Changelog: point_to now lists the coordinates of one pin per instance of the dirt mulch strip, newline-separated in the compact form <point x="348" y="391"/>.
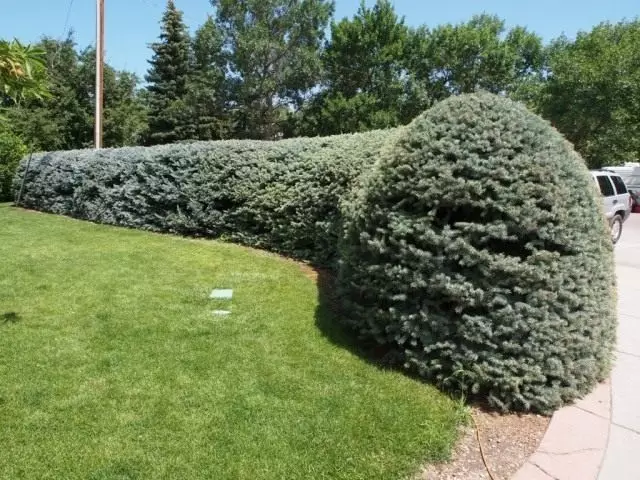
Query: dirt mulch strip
<point x="507" y="441"/>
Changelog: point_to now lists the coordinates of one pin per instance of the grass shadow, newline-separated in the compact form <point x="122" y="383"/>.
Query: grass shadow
<point x="329" y="320"/>
<point x="10" y="317"/>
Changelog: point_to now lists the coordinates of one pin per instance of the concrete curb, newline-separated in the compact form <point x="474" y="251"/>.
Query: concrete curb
<point x="574" y="445"/>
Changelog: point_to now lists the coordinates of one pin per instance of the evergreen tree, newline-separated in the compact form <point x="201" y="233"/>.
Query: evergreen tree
<point x="207" y="85"/>
<point x="125" y="115"/>
<point x="168" y="81"/>
<point x="475" y="251"/>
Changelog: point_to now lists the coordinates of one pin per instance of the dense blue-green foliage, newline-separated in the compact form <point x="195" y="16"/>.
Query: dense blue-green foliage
<point x="283" y="196"/>
<point x="477" y="248"/>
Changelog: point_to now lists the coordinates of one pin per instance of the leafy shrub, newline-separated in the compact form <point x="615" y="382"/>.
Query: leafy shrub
<point x="477" y="248"/>
<point x="278" y="195"/>
<point x="11" y="151"/>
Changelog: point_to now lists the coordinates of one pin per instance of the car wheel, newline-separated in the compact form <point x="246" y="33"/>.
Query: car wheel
<point x="616" y="228"/>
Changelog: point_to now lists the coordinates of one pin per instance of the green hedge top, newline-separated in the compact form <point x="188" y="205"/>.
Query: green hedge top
<point x="477" y="247"/>
<point x="283" y="196"/>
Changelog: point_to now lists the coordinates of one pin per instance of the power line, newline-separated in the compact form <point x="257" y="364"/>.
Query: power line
<point x="152" y="3"/>
<point x="66" y="20"/>
<point x="63" y="38"/>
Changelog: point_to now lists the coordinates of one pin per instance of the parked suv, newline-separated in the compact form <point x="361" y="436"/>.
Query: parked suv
<point x="616" y="200"/>
<point x="630" y="173"/>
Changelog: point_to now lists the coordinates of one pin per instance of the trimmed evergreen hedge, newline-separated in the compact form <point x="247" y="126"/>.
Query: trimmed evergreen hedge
<point x="477" y="248"/>
<point x="473" y="243"/>
<point x="283" y="196"/>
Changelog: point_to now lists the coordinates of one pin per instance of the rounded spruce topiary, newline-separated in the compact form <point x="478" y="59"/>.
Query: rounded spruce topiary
<point x="476" y="247"/>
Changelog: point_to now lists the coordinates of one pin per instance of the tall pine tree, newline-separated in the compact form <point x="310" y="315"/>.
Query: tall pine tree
<point x="168" y="80"/>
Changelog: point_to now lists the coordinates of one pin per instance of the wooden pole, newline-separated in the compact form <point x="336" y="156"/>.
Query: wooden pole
<point x="99" y="72"/>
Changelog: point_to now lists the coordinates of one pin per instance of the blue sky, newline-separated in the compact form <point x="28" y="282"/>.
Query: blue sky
<point x="132" y="24"/>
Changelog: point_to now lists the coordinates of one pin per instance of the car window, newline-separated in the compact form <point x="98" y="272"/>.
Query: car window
<point x="619" y="184"/>
<point x="632" y="180"/>
<point x="605" y="186"/>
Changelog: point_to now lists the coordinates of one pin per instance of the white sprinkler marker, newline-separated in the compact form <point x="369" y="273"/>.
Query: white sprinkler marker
<point x="222" y="293"/>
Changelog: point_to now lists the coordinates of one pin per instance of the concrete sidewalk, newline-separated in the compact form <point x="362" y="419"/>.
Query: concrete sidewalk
<point x="598" y="438"/>
<point x="622" y="457"/>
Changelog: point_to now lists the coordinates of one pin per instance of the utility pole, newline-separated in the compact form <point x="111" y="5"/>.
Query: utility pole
<point x="97" y="137"/>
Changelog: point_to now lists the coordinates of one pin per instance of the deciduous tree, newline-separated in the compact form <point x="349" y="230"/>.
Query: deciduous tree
<point x="64" y="119"/>
<point x="591" y="92"/>
<point x="22" y="72"/>
<point x="478" y="55"/>
<point x="366" y="83"/>
<point x="272" y="49"/>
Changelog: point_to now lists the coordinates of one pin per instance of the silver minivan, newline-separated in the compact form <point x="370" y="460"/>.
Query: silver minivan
<point x="616" y="200"/>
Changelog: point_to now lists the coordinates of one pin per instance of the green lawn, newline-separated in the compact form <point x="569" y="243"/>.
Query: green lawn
<point x="112" y="366"/>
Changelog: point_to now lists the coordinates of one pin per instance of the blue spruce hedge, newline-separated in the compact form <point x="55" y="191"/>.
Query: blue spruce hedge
<point x="470" y="243"/>
<point x="476" y="247"/>
<point x="283" y="196"/>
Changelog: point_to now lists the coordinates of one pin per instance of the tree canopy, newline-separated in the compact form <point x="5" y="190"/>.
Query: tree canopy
<point x="63" y="119"/>
<point x="267" y="69"/>
<point x="22" y="71"/>
<point x="208" y="88"/>
<point x="273" y="57"/>
<point x="591" y="92"/>
<point x="365" y="74"/>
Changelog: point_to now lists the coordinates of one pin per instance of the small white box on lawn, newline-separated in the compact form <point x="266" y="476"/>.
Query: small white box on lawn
<point x="222" y="293"/>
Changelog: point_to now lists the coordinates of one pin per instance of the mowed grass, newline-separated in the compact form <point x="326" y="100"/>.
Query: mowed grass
<point x="112" y="366"/>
